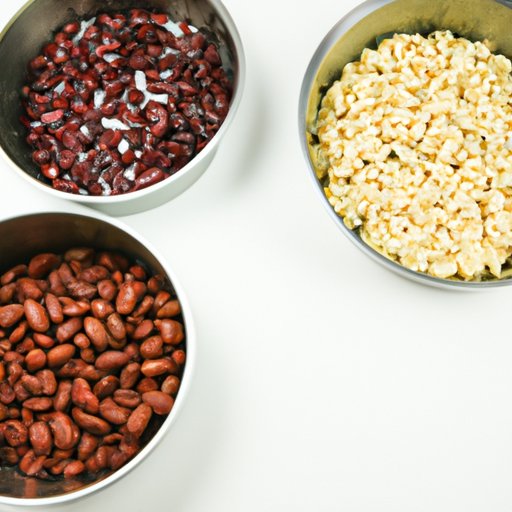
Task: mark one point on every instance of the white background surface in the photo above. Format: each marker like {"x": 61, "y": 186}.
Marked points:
{"x": 323, "y": 383}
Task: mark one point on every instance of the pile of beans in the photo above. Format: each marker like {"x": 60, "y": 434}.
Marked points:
{"x": 91, "y": 356}
{"x": 122, "y": 102}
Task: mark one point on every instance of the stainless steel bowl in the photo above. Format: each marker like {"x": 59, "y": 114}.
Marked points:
{"x": 34, "y": 24}
{"x": 23, "y": 237}
{"x": 476, "y": 20}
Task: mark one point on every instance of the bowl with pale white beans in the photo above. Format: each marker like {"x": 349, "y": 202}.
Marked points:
{"x": 97, "y": 347}
{"x": 404, "y": 120}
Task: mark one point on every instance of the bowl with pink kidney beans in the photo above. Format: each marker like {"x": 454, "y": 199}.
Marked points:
{"x": 96, "y": 351}
{"x": 117, "y": 106}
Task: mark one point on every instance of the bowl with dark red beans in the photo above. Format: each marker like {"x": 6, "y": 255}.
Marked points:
{"x": 120, "y": 107}
{"x": 96, "y": 352}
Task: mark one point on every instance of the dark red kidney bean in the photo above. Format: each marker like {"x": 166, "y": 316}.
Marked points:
{"x": 82, "y": 254}
{"x": 96, "y": 332}
{"x": 88, "y": 355}
{"x": 161, "y": 298}
{"x": 8, "y": 456}
{"x": 126, "y": 299}
{"x": 27, "y": 288}
{"x": 114, "y": 413}
{"x": 73, "y": 469}
{"x": 111, "y": 360}
{"x": 27, "y": 417}
{"x": 139, "y": 419}
{"x": 15, "y": 433}
{"x": 19, "y": 332}
{"x": 129, "y": 375}
{"x": 90, "y": 373}
{"x": 14, "y": 413}
{"x": 113, "y": 438}
{"x": 81, "y": 290}
{"x": 31, "y": 464}
{"x": 170, "y": 331}
{"x": 68, "y": 329}
{"x": 7, "y": 394}
{"x": 169, "y": 309}
{"x": 116, "y": 326}
{"x": 38, "y": 404}
{"x": 62, "y": 398}
{"x": 156, "y": 367}
{"x": 81, "y": 341}
{"x": 4, "y": 412}
{"x": 54, "y": 308}
{"x": 7, "y": 293}
{"x": 32, "y": 385}
{"x": 152, "y": 348}
{"x": 24, "y": 347}
{"x": 143, "y": 330}
{"x": 92, "y": 424}
{"x": 13, "y": 273}
{"x": 40, "y": 437}
{"x": 56, "y": 285}
{"x": 14, "y": 371}
{"x": 106, "y": 386}
{"x": 10, "y": 315}
{"x": 160, "y": 402}
{"x": 43, "y": 341}
{"x": 155, "y": 285}
{"x": 72, "y": 369}
{"x": 127, "y": 398}
{"x": 101, "y": 308}
{"x": 107, "y": 290}
{"x": 61, "y": 454}
{"x": 148, "y": 178}
{"x": 95, "y": 273}
{"x": 87, "y": 446}
{"x": 147, "y": 384}
{"x": 42, "y": 264}
{"x": 144, "y": 307}
{"x": 179, "y": 357}
{"x": 61, "y": 426}
{"x": 60, "y": 355}
{"x": 171, "y": 385}
{"x": 36, "y": 316}
{"x": 83, "y": 397}
{"x": 11, "y": 356}
{"x": 74, "y": 308}
{"x": 48, "y": 381}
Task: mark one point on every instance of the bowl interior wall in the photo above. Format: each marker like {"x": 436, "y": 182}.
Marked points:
{"x": 37, "y": 24}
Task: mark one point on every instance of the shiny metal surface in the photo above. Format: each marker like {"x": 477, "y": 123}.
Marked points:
{"x": 35, "y": 23}
{"x": 25, "y": 236}
{"x": 478, "y": 20}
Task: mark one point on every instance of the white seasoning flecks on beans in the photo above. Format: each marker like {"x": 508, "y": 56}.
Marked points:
{"x": 418, "y": 140}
